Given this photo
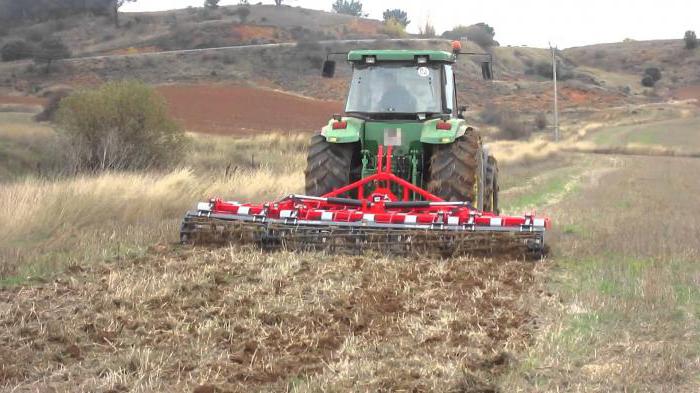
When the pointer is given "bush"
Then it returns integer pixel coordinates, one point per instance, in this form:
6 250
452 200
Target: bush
397 14
654 73
651 76
349 7
243 13
51 49
512 128
211 3
393 29
648 81
120 125
691 40
541 121
510 125
17 50
481 33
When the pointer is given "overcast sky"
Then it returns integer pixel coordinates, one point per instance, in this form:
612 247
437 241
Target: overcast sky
522 22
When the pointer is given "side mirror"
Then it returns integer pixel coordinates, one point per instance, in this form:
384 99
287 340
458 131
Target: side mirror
487 71
328 69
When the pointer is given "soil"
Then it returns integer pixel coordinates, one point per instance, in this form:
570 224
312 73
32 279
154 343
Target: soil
231 109
22 100
182 319
687 93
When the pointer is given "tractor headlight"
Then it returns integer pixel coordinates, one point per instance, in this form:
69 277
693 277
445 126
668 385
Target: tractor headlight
370 60
422 59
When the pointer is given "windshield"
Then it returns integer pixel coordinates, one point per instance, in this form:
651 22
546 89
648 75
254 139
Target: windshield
396 88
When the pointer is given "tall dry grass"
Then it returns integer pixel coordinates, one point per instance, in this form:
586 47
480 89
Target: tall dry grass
49 224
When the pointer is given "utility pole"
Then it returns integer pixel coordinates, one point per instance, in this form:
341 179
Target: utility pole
556 92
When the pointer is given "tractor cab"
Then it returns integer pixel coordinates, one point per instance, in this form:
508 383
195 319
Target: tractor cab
401 85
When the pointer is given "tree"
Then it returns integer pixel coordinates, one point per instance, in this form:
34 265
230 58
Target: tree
211 3
427 31
116 5
691 40
17 50
397 15
481 33
121 125
278 2
348 7
49 50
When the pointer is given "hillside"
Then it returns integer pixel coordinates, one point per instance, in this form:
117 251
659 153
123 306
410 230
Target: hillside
593 77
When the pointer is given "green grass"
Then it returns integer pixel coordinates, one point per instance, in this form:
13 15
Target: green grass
543 190
678 134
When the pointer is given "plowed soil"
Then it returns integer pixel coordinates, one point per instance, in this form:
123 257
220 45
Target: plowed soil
231 320
229 109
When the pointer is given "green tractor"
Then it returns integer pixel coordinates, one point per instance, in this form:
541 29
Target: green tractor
406 99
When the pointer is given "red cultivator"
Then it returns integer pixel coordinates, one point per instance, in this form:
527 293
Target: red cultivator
380 221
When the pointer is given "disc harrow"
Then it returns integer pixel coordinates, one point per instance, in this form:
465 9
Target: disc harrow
416 223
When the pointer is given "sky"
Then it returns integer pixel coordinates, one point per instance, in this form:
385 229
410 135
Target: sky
536 23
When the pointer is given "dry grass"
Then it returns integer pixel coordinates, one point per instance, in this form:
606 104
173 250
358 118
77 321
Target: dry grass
626 316
49 224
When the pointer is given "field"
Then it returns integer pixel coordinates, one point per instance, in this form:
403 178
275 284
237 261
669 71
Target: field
96 295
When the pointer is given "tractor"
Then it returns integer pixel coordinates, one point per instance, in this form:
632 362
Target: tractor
406 99
399 172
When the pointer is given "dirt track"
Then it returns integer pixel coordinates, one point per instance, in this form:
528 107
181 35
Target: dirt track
229 109
177 319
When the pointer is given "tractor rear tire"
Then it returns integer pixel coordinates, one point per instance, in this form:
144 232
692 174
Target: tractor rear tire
328 165
491 187
456 170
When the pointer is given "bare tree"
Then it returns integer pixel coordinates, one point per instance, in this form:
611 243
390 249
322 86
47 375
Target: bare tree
278 2
116 5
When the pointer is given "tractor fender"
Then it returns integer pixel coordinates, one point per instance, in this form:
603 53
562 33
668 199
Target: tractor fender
431 134
349 134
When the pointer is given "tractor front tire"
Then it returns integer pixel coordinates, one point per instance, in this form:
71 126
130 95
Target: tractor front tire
328 165
456 170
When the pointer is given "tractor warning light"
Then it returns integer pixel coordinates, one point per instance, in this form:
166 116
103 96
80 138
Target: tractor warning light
456 46
340 125
443 125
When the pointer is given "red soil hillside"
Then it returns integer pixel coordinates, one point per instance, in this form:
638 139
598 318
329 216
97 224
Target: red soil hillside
229 109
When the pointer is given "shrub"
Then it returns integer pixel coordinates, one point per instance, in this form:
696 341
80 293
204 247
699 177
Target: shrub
51 49
648 81
510 125
541 121
211 3
393 29
349 7
512 128
481 33
242 14
398 15
654 73
17 50
691 40
53 102
651 76
120 125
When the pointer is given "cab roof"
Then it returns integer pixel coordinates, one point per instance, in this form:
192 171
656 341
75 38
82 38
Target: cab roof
401 55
